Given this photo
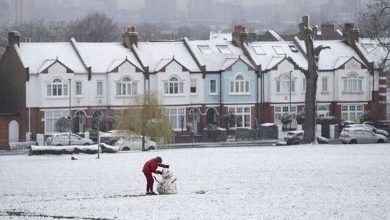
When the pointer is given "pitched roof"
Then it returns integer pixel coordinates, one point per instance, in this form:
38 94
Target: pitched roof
36 55
216 53
373 52
103 56
272 53
157 55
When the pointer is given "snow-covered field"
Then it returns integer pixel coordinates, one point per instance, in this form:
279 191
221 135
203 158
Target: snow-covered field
293 182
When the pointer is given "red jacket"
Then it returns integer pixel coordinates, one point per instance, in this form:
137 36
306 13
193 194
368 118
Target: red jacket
151 166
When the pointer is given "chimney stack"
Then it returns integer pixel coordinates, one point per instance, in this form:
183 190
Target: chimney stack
239 35
13 38
328 32
350 34
129 36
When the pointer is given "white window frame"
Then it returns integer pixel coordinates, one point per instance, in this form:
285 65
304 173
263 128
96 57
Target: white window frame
325 84
100 91
216 87
280 110
283 83
352 112
243 115
57 88
353 83
176 116
78 88
193 85
322 111
126 87
239 85
174 86
51 117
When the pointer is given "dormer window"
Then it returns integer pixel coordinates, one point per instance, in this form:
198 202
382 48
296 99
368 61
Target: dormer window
224 49
205 49
57 88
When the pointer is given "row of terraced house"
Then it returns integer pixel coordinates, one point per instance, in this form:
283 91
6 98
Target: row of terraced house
198 81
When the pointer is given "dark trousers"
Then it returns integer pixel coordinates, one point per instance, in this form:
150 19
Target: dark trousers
149 182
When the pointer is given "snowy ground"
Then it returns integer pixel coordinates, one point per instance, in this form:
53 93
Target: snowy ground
292 182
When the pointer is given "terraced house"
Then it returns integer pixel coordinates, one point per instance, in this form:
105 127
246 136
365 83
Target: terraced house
199 81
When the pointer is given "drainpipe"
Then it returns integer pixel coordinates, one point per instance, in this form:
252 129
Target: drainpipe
257 97
220 99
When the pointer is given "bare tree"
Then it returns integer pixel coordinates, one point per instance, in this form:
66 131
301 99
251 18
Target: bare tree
311 75
375 23
94 28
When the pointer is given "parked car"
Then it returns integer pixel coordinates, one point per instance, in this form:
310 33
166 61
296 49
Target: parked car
126 140
62 139
369 127
360 135
295 137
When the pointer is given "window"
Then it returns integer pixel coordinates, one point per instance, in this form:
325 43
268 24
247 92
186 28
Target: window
259 50
213 86
205 49
239 85
353 84
279 50
284 109
126 87
173 86
224 49
57 88
78 88
51 117
293 48
177 118
283 84
322 111
351 112
99 88
324 84
193 86
243 117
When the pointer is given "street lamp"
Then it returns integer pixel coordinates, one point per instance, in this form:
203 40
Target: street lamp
290 99
70 104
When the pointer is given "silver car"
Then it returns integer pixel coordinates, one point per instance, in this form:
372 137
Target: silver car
369 127
359 135
62 139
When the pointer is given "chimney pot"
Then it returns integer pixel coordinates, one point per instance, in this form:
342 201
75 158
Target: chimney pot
129 36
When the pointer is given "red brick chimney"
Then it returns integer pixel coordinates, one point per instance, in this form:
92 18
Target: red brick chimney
239 35
129 36
350 34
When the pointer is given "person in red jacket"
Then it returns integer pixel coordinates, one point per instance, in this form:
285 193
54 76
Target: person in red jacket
149 168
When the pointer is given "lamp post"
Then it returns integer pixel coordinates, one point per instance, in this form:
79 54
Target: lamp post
290 98
70 104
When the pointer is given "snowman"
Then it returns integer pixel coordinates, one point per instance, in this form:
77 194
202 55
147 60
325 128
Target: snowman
168 184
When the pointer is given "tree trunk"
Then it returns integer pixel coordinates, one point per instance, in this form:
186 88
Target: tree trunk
310 110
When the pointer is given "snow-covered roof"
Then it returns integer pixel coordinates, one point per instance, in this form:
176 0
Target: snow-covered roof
104 57
271 53
157 55
338 54
218 54
373 51
221 36
36 56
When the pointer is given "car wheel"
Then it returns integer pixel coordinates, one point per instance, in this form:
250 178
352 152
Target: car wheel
125 148
86 144
152 148
59 145
353 142
380 141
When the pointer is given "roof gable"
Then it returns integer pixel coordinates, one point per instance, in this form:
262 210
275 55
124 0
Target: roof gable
116 64
49 63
